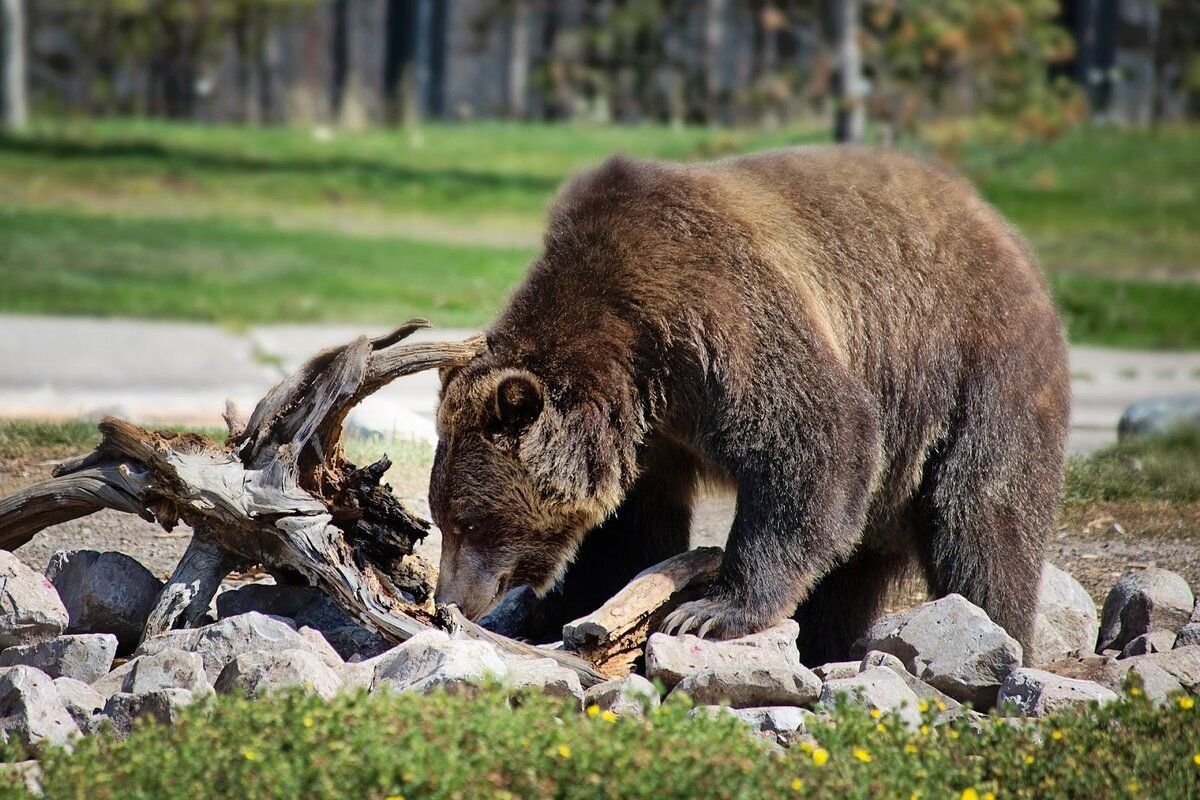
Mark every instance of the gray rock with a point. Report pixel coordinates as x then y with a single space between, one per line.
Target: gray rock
1182 664
879 688
163 706
1156 416
307 607
1158 684
1067 623
783 723
263 672
226 639
81 701
166 669
672 658
754 683
31 710
85 657
629 696
950 644
105 593
545 675
432 660
1153 642
1037 693
1141 602
838 669
1189 634
30 609
923 691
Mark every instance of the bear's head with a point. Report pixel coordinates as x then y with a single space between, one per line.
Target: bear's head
524 468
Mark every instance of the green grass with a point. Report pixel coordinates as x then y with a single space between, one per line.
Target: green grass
439 746
34 438
1156 468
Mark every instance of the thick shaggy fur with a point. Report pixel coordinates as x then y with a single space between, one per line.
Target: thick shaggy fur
851 337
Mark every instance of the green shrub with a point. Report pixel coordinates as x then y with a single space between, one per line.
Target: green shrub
444 746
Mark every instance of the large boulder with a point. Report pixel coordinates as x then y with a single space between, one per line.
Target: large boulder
1066 622
628 696
432 660
544 675
1158 684
923 691
950 644
877 688
31 710
1036 693
105 593
1190 633
30 609
1143 602
162 705
262 672
166 669
85 657
1182 664
1156 416
82 702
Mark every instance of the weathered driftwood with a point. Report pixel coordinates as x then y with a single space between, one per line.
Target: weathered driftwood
279 492
612 637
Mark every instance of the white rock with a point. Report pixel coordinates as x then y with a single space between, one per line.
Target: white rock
432 660
163 705
754 683
31 710
545 675
166 669
262 672
104 593
81 701
879 688
950 644
85 657
30 609
838 669
1182 664
1067 623
672 658
1153 642
785 722
629 696
1037 693
922 690
1158 684
1141 602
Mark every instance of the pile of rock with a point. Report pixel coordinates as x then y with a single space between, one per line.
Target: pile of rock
71 662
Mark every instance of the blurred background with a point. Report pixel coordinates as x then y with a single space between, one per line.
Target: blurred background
195 195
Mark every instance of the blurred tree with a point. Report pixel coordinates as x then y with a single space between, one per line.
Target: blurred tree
400 85
850 114
12 90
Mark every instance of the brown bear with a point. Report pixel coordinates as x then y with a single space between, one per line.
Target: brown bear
850 337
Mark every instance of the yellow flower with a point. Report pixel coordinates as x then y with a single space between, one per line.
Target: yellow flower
1135 691
820 756
862 755
797 784
924 730
807 746
394 797
407 776
1056 735
910 748
881 728
564 751
308 721
915 796
953 734
608 716
1028 759
923 706
989 796
940 705
250 754
593 710
1186 702
876 713
1196 759
969 794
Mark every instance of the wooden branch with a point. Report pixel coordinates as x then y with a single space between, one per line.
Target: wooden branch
190 590
114 485
612 637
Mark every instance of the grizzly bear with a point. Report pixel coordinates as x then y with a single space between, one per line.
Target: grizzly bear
851 338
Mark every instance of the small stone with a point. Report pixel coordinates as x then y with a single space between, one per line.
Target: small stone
629 696
1037 693
950 644
878 688
1141 602
672 658
166 669
432 660
81 701
922 690
837 669
105 593
85 657
30 609
1160 415
1066 623
262 672
784 723
163 706
752 684
31 710
1153 642
545 675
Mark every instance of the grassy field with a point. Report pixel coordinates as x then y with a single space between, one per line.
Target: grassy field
239 226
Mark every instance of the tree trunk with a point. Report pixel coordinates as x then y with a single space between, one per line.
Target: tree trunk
714 39
400 81
12 20
850 119
518 60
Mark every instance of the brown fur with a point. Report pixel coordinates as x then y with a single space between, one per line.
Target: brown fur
851 337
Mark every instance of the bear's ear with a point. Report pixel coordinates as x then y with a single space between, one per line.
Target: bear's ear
518 401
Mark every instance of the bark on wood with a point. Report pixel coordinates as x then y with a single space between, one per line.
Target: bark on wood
186 597
612 637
